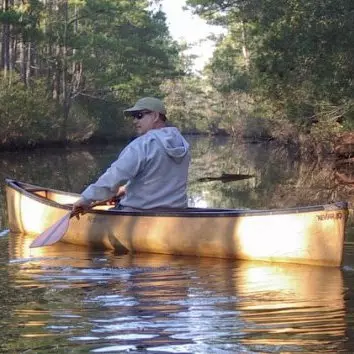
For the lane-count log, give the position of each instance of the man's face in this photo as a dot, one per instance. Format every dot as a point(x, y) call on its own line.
point(144, 121)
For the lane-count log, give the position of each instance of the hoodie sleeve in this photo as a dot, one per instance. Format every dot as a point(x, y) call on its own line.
point(129, 163)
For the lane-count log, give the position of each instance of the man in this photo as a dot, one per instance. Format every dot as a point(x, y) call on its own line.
point(153, 167)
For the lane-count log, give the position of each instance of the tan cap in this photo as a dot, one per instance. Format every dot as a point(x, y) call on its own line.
point(147, 103)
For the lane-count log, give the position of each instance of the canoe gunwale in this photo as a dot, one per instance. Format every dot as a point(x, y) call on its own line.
point(29, 189)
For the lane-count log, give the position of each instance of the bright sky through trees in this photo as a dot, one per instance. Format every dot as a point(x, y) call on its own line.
point(190, 28)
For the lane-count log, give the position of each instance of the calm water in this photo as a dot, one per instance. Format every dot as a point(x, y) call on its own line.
point(63, 298)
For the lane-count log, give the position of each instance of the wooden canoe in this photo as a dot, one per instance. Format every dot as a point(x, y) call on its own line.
point(306, 235)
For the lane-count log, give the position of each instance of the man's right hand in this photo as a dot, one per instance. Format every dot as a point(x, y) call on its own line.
point(121, 192)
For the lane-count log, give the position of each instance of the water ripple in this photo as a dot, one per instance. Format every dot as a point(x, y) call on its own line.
point(66, 298)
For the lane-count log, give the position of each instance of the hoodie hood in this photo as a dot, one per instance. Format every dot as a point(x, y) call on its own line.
point(173, 142)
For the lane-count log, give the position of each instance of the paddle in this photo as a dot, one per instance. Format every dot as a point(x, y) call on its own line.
point(57, 231)
point(53, 234)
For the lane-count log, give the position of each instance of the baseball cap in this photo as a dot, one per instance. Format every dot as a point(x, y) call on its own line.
point(147, 103)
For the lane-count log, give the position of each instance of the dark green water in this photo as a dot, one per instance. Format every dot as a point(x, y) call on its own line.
point(64, 299)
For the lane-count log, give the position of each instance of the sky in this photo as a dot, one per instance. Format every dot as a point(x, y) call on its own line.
point(190, 28)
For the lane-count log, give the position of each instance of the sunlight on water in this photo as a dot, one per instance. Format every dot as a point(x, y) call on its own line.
point(67, 298)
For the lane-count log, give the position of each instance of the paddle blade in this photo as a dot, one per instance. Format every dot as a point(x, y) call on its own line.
point(53, 234)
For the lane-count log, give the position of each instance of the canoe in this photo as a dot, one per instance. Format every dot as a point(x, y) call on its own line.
point(306, 235)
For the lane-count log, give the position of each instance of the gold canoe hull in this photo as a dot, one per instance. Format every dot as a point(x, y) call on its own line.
point(306, 235)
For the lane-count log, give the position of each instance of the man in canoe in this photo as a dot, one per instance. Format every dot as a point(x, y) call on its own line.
point(153, 168)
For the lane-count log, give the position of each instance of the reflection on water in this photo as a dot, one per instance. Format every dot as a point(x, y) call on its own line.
point(292, 305)
point(65, 296)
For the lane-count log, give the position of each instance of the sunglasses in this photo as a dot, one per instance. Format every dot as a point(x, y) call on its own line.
point(139, 115)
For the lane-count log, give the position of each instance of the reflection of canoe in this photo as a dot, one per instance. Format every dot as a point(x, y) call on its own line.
point(291, 306)
point(243, 304)
point(310, 235)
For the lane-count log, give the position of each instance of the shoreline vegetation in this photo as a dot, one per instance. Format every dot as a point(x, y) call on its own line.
point(281, 73)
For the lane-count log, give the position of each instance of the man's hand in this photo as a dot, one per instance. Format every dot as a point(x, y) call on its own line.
point(80, 206)
point(121, 192)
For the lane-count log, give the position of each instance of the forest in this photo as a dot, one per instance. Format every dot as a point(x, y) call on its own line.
point(282, 71)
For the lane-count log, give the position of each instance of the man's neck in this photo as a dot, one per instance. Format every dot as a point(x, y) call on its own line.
point(160, 124)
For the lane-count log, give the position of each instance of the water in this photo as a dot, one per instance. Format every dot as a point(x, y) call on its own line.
point(65, 298)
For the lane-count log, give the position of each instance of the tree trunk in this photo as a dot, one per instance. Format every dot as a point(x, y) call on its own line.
point(56, 74)
point(244, 46)
point(22, 58)
point(6, 43)
point(66, 98)
point(28, 65)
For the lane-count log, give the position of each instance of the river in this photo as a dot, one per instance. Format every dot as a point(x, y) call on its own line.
point(64, 298)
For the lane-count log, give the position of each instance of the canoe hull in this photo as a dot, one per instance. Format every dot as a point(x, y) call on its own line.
point(311, 235)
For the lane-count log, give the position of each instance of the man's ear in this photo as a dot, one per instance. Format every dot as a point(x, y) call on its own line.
point(156, 116)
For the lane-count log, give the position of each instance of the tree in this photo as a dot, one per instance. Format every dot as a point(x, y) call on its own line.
point(94, 55)
point(299, 51)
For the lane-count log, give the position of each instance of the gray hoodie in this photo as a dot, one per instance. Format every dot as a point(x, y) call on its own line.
point(155, 165)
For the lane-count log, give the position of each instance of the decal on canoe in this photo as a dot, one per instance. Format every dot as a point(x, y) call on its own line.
point(330, 216)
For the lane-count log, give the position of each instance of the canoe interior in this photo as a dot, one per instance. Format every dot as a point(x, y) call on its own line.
point(62, 199)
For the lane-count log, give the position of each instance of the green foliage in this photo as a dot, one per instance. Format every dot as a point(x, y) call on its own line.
point(124, 47)
point(305, 53)
point(24, 19)
point(27, 115)
point(91, 58)
point(195, 106)
point(82, 123)
point(186, 104)
point(228, 71)
point(126, 53)
point(84, 61)
point(300, 56)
